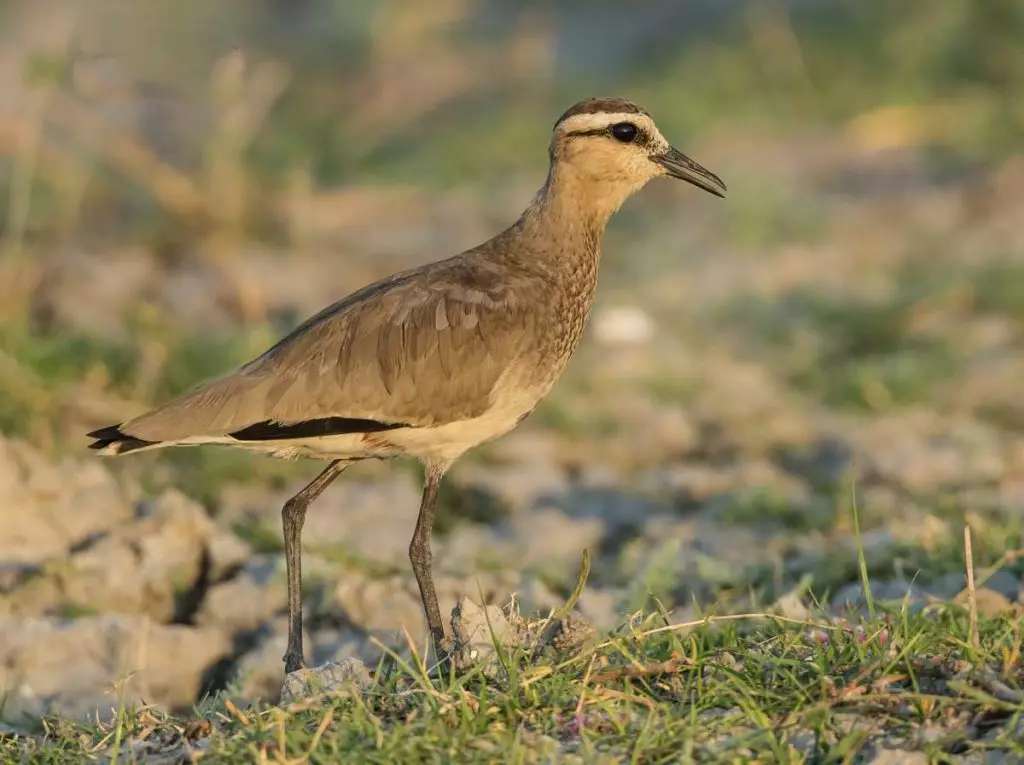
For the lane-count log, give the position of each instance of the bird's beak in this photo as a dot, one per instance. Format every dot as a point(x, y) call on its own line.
point(678, 165)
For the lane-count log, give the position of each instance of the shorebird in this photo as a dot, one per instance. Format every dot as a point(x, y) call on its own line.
point(431, 362)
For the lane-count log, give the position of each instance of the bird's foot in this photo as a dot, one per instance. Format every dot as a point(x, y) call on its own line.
point(293, 662)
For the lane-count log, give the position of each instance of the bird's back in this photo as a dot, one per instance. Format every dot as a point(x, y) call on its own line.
point(420, 348)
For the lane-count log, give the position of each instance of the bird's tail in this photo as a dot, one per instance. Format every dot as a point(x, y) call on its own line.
point(110, 441)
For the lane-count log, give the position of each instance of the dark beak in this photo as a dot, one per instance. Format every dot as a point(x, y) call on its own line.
point(678, 165)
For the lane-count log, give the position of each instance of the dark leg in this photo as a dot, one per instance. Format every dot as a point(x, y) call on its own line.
point(293, 515)
point(422, 558)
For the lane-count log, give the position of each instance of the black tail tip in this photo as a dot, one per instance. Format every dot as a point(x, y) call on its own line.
point(112, 436)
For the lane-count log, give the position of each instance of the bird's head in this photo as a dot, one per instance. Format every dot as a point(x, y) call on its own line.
point(614, 147)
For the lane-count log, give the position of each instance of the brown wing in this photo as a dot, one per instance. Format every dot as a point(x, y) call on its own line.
point(420, 348)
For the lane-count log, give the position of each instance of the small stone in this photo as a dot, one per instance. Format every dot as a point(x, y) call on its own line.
point(573, 633)
point(379, 604)
point(623, 325)
point(851, 596)
point(239, 605)
point(792, 607)
point(1004, 583)
point(476, 630)
point(259, 672)
point(534, 596)
point(988, 602)
point(227, 554)
point(552, 537)
point(329, 677)
point(804, 741)
point(897, 757)
point(10, 731)
point(600, 607)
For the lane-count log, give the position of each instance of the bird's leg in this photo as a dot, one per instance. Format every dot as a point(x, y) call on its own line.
point(293, 515)
point(420, 555)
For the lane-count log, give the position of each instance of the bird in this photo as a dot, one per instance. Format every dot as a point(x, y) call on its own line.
point(433, 361)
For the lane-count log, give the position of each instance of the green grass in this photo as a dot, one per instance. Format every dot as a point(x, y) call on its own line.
point(745, 690)
point(866, 353)
point(873, 352)
point(764, 507)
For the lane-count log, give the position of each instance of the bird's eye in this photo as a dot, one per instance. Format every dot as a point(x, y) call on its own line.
point(624, 131)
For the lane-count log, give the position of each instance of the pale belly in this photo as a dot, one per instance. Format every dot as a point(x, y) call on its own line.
point(445, 442)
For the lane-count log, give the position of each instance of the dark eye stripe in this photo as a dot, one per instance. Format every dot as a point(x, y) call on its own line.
point(641, 137)
point(598, 131)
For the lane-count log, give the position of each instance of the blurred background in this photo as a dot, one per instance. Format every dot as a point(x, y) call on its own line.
point(183, 182)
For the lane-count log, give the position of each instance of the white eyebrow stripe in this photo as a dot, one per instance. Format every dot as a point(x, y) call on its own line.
point(580, 123)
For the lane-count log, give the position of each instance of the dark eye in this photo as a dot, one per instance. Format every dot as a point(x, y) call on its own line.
point(624, 131)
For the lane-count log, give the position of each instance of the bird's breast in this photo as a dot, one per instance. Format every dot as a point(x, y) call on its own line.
point(567, 312)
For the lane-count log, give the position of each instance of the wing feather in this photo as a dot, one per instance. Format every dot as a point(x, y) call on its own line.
point(406, 350)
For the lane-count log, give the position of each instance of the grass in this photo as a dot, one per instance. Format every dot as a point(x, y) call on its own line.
point(762, 506)
point(745, 689)
point(742, 687)
point(884, 350)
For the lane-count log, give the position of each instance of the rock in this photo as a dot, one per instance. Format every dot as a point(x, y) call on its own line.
point(548, 538)
point(791, 606)
point(476, 631)
point(471, 547)
point(617, 508)
point(239, 605)
point(570, 634)
point(353, 643)
point(995, 597)
point(391, 608)
point(90, 665)
point(533, 470)
point(47, 509)
point(9, 732)
point(988, 602)
point(371, 519)
point(623, 325)
point(805, 742)
point(693, 484)
point(330, 677)
point(380, 604)
point(1005, 583)
point(946, 587)
point(851, 596)
point(535, 597)
point(667, 431)
point(1013, 731)
point(897, 757)
point(494, 586)
point(823, 463)
point(260, 672)
point(601, 607)
point(146, 566)
point(244, 602)
point(480, 632)
point(923, 452)
point(227, 554)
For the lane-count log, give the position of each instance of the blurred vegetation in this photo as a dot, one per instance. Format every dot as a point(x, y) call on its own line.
point(226, 148)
